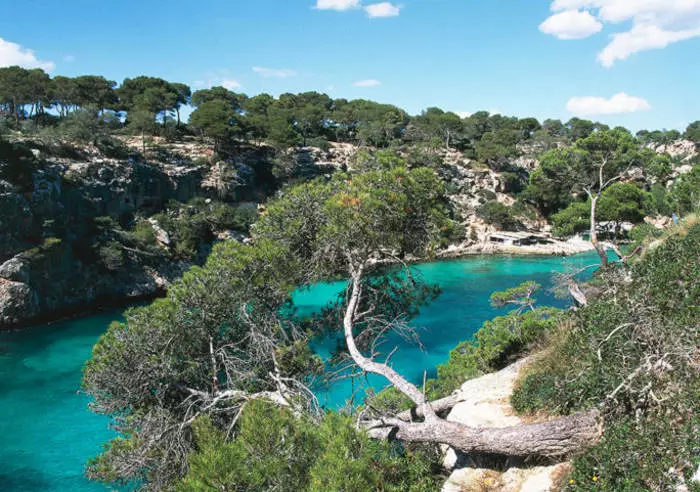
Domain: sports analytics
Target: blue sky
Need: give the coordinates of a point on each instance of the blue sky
(627, 62)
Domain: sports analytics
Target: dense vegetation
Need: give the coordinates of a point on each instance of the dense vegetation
(30, 98)
(209, 387)
(226, 335)
(92, 109)
(633, 353)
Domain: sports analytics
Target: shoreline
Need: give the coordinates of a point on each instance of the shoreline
(569, 247)
(453, 252)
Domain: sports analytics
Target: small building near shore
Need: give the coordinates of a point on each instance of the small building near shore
(519, 238)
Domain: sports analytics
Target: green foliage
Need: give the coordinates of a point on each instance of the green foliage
(629, 353)
(273, 450)
(495, 147)
(276, 450)
(497, 343)
(17, 164)
(648, 454)
(658, 167)
(138, 368)
(590, 166)
(623, 202)
(214, 119)
(523, 210)
(495, 213)
(193, 225)
(83, 125)
(143, 234)
(111, 256)
(685, 192)
(512, 182)
(389, 208)
(238, 218)
(643, 233)
(660, 201)
(550, 184)
(520, 296)
(692, 133)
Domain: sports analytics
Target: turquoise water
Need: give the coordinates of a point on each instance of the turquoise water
(47, 432)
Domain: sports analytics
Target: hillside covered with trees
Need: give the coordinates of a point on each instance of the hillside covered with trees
(108, 193)
(111, 195)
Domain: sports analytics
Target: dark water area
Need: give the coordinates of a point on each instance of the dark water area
(47, 432)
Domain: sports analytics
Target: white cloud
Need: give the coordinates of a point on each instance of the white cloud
(280, 73)
(640, 38)
(463, 114)
(618, 104)
(230, 84)
(69, 58)
(655, 24)
(384, 9)
(337, 4)
(571, 24)
(367, 83)
(13, 54)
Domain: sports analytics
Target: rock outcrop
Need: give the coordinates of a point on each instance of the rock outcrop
(484, 402)
(48, 209)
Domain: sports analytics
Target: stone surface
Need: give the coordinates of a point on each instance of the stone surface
(484, 402)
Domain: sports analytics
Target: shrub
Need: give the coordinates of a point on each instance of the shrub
(319, 142)
(498, 343)
(111, 256)
(276, 450)
(512, 182)
(572, 220)
(650, 454)
(630, 353)
(497, 214)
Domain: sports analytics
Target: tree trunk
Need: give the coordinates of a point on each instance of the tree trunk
(594, 234)
(549, 439)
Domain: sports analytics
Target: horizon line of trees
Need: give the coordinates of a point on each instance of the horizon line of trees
(308, 118)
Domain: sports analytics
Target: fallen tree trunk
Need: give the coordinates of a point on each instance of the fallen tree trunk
(555, 438)
(551, 439)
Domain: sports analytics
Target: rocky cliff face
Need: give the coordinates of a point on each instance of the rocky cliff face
(48, 208)
(51, 200)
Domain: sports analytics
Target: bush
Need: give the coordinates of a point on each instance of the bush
(276, 450)
(17, 164)
(512, 182)
(143, 234)
(498, 343)
(111, 256)
(497, 214)
(572, 220)
(630, 353)
(319, 142)
(650, 454)
(227, 217)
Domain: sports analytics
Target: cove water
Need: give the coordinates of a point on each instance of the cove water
(47, 432)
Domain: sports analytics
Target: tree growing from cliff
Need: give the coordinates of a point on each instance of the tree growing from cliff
(386, 215)
(522, 297)
(596, 162)
(692, 133)
(215, 344)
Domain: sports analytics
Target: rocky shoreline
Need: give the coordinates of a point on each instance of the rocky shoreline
(23, 307)
(570, 247)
